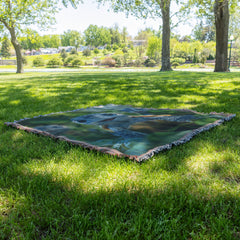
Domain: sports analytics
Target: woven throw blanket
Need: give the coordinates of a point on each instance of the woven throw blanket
(124, 131)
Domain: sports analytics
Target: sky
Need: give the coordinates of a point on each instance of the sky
(88, 13)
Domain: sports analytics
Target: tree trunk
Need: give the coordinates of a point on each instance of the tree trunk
(221, 12)
(165, 8)
(17, 48)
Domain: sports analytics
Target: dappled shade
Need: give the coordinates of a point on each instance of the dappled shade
(125, 131)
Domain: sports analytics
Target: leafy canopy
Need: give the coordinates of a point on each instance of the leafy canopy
(97, 36)
(71, 38)
(205, 7)
(21, 13)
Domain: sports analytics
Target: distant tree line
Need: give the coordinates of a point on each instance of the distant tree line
(196, 48)
(17, 15)
(93, 36)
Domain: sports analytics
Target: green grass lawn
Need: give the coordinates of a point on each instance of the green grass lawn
(51, 190)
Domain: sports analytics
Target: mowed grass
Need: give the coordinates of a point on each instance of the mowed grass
(52, 190)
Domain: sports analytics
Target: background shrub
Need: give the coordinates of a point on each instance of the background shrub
(138, 62)
(68, 60)
(119, 60)
(118, 52)
(109, 61)
(74, 51)
(105, 51)
(73, 61)
(125, 50)
(76, 62)
(63, 54)
(38, 62)
(109, 48)
(86, 52)
(115, 46)
(97, 62)
(126, 58)
(130, 63)
(96, 50)
(150, 62)
(175, 64)
(54, 62)
(203, 59)
(178, 60)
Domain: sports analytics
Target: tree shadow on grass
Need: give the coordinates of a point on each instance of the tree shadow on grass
(109, 198)
(43, 204)
(54, 92)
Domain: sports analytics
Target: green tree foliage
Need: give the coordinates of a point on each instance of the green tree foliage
(145, 34)
(205, 33)
(124, 35)
(31, 40)
(51, 41)
(139, 51)
(115, 47)
(154, 48)
(236, 51)
(72, 38)
(115, 35)
(86, 52)
(96, 50)
(234, 25)
(5, 49)
(125, 50)
(185, 38)
(193, 51)
(17, 15)
(74, 3)
(35, 41)
(97, 36)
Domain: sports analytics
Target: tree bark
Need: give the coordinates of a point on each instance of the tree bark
(17, 48)
(165, 8)
(221, 12)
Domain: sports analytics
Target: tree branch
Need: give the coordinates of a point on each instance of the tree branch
(5, 23)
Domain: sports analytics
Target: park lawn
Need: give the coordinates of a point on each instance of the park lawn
(51, 190)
